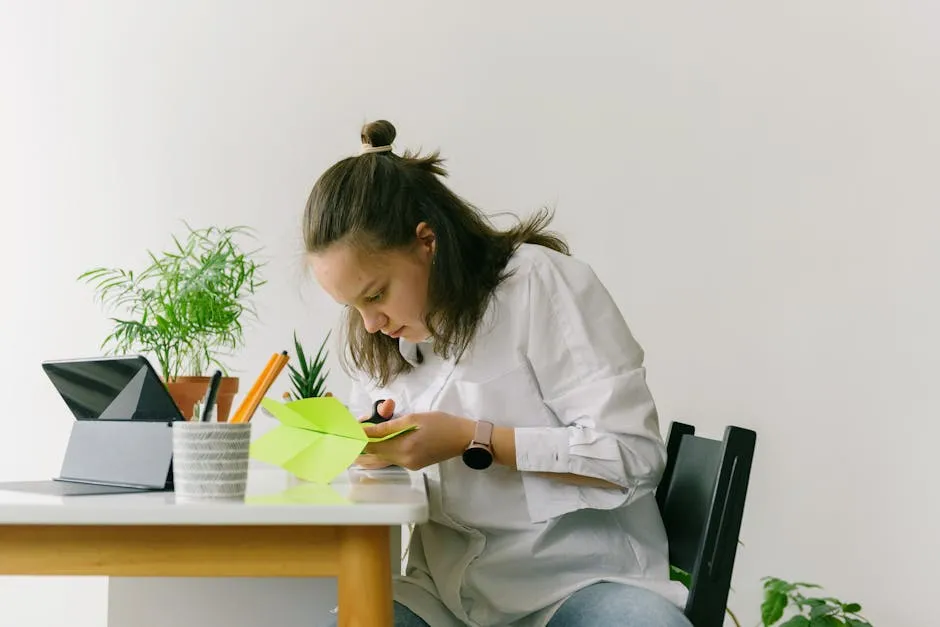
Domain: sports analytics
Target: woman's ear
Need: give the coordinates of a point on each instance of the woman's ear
(427, 241)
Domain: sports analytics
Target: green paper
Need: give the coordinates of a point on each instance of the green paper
(323, 414)
(317, 439)
(325, 459)
(279, 445)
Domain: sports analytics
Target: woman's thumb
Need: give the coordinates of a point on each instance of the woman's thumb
(387, 408)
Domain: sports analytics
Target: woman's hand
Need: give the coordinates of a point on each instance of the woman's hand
(438, 437)
(374, 462)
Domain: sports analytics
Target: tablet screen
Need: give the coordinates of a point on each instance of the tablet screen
(112, 388)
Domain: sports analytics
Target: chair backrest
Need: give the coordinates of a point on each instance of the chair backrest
(701, 497)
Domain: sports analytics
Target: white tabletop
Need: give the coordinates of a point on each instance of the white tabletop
(386, 497)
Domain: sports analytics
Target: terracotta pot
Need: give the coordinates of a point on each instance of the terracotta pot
(187, 391)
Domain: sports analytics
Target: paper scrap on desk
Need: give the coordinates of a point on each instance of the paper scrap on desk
(317, 439)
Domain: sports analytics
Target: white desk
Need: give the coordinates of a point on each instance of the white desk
(283, 528)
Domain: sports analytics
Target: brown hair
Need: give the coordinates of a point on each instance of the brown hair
(375, 201)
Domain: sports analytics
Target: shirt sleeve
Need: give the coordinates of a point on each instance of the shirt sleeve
(590, 371)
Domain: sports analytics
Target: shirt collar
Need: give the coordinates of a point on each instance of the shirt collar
(408, 350)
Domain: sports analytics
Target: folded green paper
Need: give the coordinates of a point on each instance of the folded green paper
(317, 440)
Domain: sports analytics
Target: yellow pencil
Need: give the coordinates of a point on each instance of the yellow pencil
(261, 386)
(237, 415)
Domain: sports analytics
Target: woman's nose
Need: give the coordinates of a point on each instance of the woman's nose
(373, 321)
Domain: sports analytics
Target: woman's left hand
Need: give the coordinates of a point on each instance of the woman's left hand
(438, 437)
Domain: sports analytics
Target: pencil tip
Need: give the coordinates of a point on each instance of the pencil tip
(283, 352)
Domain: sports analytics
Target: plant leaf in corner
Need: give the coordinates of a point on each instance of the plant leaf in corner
(796, 621)
(771, 610)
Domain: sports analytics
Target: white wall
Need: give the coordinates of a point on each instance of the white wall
(752, 181)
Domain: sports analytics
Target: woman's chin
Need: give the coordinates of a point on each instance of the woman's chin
(415, 337)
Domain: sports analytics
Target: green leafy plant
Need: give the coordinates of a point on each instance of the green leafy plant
(309, 379)
(782, 597)
(187, 305)
(806, 610)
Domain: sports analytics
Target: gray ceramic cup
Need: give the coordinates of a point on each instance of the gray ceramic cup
(210, 459)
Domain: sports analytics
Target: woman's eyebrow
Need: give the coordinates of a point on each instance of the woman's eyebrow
(368, 288)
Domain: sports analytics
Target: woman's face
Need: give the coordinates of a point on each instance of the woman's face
(389, 289)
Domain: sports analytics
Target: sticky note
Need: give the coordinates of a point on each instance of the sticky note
(317, 440)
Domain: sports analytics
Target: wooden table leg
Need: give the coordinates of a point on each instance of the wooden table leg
(365, 577)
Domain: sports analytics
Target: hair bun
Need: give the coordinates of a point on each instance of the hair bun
(378, 133)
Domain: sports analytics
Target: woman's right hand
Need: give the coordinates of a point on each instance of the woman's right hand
(374, 462)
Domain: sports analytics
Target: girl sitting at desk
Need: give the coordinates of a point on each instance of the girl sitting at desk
(537, 435)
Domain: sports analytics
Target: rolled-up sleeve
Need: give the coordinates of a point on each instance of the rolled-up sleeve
(590, 372)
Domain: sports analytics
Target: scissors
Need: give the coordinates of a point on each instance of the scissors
(376, 417)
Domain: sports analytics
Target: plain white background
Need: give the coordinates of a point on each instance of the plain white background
(754, 181)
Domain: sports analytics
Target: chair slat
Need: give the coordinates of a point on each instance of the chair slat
(701, 498)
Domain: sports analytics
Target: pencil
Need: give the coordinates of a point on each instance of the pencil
(269, 379)
(261, 387)
(237, 416)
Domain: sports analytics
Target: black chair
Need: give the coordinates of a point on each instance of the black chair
(701, 498)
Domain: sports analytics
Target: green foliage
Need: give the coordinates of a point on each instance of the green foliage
(309, 380)
(806, 610)
(677, 574)
(186, 306)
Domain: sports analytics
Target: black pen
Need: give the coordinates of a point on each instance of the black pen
(209, 403)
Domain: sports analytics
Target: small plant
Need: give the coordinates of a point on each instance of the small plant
(806, 611)
(186, 306)
(309, 380)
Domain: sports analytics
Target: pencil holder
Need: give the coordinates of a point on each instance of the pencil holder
(210, 459)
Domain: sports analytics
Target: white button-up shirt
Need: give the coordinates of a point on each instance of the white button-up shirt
(554, 359)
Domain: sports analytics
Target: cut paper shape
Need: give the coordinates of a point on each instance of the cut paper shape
(317, 440)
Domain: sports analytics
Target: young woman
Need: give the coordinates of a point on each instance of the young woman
(537, 436)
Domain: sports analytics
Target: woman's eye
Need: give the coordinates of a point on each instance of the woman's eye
(374, 298)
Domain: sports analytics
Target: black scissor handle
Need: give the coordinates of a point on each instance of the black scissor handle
(376, 417)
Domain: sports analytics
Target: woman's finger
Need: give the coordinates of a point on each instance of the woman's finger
(386, 410)
(385, 428)
(371, 462)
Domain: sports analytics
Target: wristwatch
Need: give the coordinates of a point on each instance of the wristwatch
(479, 453)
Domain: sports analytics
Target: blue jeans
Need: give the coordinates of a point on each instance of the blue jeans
(608, 604)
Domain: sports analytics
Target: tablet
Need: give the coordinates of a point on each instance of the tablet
(112, 388)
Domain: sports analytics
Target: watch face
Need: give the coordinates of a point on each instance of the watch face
(477, 457)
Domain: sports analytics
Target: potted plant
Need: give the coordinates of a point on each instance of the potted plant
(806, 610)
(186, 309)
(308, 378)
(782, 597)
